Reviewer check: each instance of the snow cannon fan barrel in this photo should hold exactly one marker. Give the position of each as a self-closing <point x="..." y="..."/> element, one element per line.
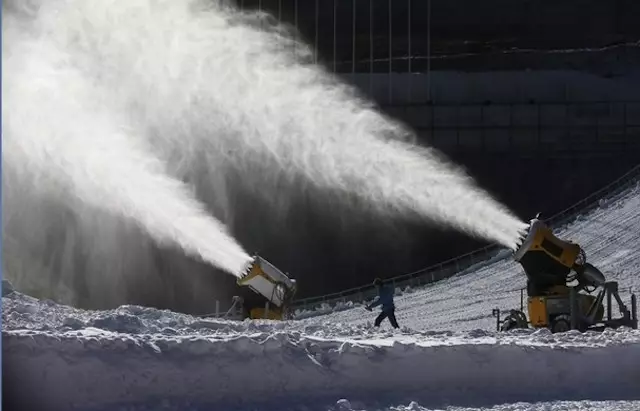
<point x="590" y="276"/>
<point x="546" y="259"/>
<point x="265" y="279"/>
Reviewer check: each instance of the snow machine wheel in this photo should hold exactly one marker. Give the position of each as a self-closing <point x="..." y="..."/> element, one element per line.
<point x="508" y="325"/>
<point x="516" y="319"/>
<point x="560" y="324"/>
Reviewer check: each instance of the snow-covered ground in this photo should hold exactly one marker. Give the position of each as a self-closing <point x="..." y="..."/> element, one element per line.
<point x="100" y="360"/>
<point x="610" y="236"/>
<point x="446" y="356"/>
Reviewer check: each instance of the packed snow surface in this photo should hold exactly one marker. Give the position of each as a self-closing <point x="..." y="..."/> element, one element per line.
<point x="142" y="358"/>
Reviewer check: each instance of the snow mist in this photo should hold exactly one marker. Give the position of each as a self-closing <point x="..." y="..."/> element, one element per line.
<point x="114" y="110"/>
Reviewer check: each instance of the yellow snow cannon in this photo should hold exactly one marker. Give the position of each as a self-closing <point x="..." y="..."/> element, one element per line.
<point x="560" y="283"/>
<point x="265" y="279"/>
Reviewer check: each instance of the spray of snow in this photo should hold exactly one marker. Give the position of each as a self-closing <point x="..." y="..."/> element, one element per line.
<point x="112" y="106"/>
<point x="91" y="154"/>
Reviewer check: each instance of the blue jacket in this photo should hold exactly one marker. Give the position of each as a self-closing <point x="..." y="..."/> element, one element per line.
<point x="385" y="298"/>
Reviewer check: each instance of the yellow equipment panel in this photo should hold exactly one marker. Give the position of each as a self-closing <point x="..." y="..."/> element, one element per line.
<point x="265" y="279"/>
<point x="261" y="313"/>
<point x="537" y="311"/>
<point x="563" y="251"/>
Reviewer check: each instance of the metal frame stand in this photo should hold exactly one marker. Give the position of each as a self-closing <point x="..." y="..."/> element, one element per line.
<point x="629" y="318"/>
<point x="578" y="321"/>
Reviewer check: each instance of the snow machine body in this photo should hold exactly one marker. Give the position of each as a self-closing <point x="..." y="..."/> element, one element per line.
<point x="275" y="286"/>
<point x="561" y="285"/>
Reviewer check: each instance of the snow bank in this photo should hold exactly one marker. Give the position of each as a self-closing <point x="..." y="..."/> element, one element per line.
<point x="97" y="369"/>
<point x="522" y="406"/>
<point x="101" y="360"/>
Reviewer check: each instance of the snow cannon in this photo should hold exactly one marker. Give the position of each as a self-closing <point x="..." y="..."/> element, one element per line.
<point x="546" y="258"/>
<point x="560" y="282"/>
<point x="549" y="261"/>
<point x="265" y="279"/>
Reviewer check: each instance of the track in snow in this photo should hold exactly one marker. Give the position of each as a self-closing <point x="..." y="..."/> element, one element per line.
<point x="142" y="358"/>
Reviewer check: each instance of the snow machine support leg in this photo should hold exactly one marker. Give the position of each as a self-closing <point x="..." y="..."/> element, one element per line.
<point x="629" y="316"/>
<point x="634" y="312"/>
<point x="593" y="318"/>
<point x="573" y="303"/>
<point x="496" y="314"/>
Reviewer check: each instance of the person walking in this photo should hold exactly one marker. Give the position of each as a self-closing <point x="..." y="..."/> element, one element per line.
<point x="385" y="300"/>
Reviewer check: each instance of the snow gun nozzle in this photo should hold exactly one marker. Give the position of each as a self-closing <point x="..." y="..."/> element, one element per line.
<point x="527" y="235"/>
<point x="523" y="235"/>
<point x="248" y="267"/>
<point x="265" y="279"/>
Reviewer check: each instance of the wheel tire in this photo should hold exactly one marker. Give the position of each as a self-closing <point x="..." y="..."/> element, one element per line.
<point x="560" y="325"/>
<point x="508" y="325"/>
<point x="515" y="320"/>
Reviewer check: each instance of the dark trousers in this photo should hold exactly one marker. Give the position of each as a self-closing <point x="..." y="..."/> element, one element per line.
<point x="390" y="314"/>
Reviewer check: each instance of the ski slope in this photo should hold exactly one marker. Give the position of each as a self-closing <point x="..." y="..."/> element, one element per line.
<point x="610" y="236"/>
<point x="446" y="356"/>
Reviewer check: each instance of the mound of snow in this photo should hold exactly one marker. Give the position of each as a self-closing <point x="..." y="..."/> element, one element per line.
<point x="105" y="361"/>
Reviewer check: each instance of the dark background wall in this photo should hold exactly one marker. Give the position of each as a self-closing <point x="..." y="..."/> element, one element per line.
<point x="458" y="34"/>
<point x="536" y="99"/>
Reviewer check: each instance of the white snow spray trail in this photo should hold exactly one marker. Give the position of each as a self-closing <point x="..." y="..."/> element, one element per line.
<point x="91" y="154"/>
<point x="111" y="106"/>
